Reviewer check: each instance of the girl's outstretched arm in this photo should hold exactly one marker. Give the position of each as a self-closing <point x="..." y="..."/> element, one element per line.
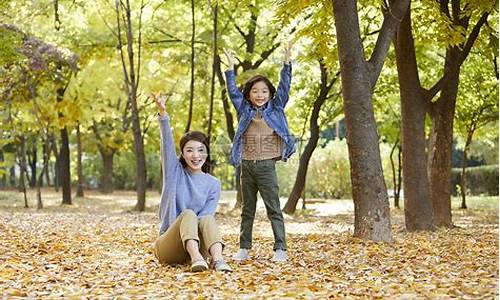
<point x="234" y="93"/>
<point x="283" y="89"/>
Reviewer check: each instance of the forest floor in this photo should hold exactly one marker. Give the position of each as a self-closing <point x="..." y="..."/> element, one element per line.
<point x="96" y="248"/>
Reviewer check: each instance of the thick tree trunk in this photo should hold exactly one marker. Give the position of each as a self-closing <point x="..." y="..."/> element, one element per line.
<point x="417" y="198"/>
<point x="371" y="205"/>
<point x="300" y="179"/>
<point x="106" y="184"/>
<point x="79" y="167"/>
<point x="441" y="141"/>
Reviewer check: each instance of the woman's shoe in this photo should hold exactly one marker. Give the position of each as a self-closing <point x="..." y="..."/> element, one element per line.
<point x="199" y="265"/>
<point x="221" y="266"/>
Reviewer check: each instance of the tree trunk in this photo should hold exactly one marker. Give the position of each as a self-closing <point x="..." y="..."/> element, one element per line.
<point x="46" y="155"/>
<point x="300" y="179"/>
<point x="64" y="171"/>
<point x="23" y="168"/>
<point x="32" y="162"/>
<point x="131" y="79"/>
<point x="394" y="177"/>
<point x="79" y="167"/>
<point x="371" y="205"/>
<point x="397" y="194"/>
<point x="212" y="78"/>
<point x="417" y="198"/>
<point x="3" y="170"/>
<point x="57" y="165"/>
<point x="191" y="85"/>
<point x="106" y="185"/>
<point x="441" y="140"/>
<point x="463" y="178"/>
<point x="12" y="176"/>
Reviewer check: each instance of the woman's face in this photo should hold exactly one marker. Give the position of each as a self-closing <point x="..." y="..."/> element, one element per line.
<point x="259" y="94"/>
<point x="195" y="154"/>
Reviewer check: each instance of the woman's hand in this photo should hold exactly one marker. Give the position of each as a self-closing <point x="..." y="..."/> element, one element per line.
<point x="160" y="100"/>
<point x="287" y="52"/>
<point x="229" y="58"/>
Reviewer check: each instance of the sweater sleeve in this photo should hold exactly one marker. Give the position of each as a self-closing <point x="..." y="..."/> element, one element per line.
<point x="283" y="89"/>
<point x="170" y="168"/>
<point x="234" y="93"/>
<point x="210" y="206"/>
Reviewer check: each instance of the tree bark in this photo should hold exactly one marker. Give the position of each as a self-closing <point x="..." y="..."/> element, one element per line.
<point x="441" y="140"/>
<point x="300" y="179"/>
<point x="79" y="167"/>
<point x="417" y="199"/>
<point x="371" y="205"/>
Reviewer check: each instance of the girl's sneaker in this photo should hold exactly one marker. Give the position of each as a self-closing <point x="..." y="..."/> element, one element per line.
<point x="280" y="255"/>
<point x="242" y="254"/>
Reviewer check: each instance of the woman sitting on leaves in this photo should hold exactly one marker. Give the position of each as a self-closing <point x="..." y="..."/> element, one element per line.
<point x="189" y="197"/>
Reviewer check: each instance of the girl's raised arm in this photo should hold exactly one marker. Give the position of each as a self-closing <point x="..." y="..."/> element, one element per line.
<point x="234" y="93"/>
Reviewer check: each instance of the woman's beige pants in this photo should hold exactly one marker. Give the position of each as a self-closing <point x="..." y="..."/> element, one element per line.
<point x="170" y="247"/>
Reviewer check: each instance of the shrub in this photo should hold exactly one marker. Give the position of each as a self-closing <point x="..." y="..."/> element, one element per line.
<point x="480" y="180"/>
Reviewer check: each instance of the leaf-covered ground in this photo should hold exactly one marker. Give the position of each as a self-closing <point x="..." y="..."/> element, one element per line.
<point x="96" y="249"/>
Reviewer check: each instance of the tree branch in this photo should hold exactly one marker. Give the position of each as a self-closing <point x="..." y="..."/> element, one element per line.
<point x="393" y="15"/>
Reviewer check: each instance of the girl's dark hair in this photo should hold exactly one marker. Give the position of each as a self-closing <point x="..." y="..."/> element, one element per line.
<point x="199" y="137"/>
<point x="247" y="86"/>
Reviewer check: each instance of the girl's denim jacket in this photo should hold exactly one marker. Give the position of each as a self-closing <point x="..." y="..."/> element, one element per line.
<point x="273" y="113"/>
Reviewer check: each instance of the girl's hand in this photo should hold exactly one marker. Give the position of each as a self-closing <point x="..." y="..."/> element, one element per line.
<point x="160" y="100"/>
<point x="287" y="52"/>
<point x="229" y="58"/>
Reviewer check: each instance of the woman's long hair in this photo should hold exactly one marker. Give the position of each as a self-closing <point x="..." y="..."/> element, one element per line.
<point x="247" y="86"/>
<point x="199" y="137"/>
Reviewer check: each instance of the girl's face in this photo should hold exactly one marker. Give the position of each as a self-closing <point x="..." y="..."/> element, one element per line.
<point x="259" y="94"/>
<point x="195" y="154"/>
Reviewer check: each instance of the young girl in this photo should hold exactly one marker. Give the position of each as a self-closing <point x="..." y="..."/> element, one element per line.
<point x="188" y="230"/>
<point x="262" y="138"/>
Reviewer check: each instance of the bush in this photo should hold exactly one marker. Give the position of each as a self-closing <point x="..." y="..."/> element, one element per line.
<point x="480" y="180"/>
<point x="328" y="173"/>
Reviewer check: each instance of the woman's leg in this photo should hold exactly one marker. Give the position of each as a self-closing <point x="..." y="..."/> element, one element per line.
<point x="180" y="242"/>
<point x="210" y="238"/>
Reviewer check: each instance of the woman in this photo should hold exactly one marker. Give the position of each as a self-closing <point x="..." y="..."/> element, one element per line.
<point x="188" y="230"/>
